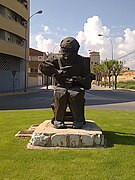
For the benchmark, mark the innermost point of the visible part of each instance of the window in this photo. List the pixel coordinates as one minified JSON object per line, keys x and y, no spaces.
{"x":24,"y":2}
{"x":8,"y":13}
{"x":34,"y":58}
{"x":33,"y":70}
{"x":2,"y":34}
{"x":2,"y":10}
{"x":7,"y":36}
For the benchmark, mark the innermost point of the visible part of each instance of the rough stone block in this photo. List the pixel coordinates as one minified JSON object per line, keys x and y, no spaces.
{"x":74,"y":140}
{"x":87,"y":140}
{"x":45,"y":135}
{"x":97,"y":139}
{"x":102,"y":140}
{"x":59,"y":140}
{"x":40,"y":140}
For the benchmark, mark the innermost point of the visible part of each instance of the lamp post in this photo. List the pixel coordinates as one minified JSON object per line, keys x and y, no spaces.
{"x":111,"y":53}
{"x":26,"y":45}
{"x":57,"y":45}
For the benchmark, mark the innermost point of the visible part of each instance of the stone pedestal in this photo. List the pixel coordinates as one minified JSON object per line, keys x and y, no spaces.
{"x":46,"y":136}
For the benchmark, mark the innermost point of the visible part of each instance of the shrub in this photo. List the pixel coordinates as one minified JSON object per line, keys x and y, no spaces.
{"x":127,"y":84}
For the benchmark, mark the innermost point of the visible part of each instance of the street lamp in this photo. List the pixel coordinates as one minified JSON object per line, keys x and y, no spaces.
{"x":110,"y":42}
{"x":26,"y":44}
{"x":112,"y":53}
{"x":57,"y":45}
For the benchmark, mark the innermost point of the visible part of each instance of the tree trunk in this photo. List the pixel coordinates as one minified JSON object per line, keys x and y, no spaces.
{"x":96,"y":78}
{"x":101,"y":81}
{"x":115,"y":83}
{"x":109,"y":81}
{"x":104,"y":81}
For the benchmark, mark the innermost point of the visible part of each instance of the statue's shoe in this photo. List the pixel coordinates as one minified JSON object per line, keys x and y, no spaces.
{"x":59,"y":125}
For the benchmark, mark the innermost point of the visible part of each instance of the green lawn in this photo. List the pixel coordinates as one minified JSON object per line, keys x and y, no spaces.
{"x":116,"y":162}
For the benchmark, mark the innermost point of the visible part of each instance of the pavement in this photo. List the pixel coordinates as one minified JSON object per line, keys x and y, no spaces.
{"x":41,"y":88}
{"x":97,"y":97}
{"x":29,"y":90}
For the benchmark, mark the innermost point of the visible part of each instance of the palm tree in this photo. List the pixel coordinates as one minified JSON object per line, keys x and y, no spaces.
{"x":117,"y":67}
{"x":96,"y":70}
{"x":109,"y":67}
{"x":103,"y":73}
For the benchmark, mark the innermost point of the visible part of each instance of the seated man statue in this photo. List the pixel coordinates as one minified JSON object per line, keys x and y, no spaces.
{"x":73,"y":76}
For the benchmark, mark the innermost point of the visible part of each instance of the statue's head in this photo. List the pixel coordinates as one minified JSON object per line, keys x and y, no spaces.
{"x":69,"y":46}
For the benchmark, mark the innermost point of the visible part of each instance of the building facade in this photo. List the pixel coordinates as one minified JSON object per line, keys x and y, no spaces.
{"x":13,"y":37}
{"x":94,"y":58}
{"x":35,"y":77}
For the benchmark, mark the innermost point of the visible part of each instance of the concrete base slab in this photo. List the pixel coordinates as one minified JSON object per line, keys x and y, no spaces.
{"x":46,"y":136}
{"x":27,"y":132}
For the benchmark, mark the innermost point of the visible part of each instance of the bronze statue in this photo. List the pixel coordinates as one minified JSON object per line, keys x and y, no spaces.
{"x":73,"y":77}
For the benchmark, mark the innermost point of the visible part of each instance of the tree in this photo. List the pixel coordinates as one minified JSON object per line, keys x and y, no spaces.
{"x":117,"y":67}
{"x":97,"y":71}
{"x":109,"y":67}
{"x":103,"y":73}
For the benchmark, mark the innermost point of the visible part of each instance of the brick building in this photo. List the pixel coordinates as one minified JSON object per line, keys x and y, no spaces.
{"x":35,"y":77}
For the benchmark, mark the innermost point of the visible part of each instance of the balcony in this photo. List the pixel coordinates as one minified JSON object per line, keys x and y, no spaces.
{"x":12,"y":26}
{"x":17,"y":7}
{"x":24,"y":2}
{"x":11,"y":49}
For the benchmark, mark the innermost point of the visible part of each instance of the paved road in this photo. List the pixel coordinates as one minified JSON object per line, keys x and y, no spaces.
{"x":99,"y":98}
{"x":110,"y":99}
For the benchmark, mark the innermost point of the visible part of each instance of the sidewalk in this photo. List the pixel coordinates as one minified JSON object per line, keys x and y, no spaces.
{"x":29,"y":90}
{"x":43,"y":88}
{"x":100,"y":88}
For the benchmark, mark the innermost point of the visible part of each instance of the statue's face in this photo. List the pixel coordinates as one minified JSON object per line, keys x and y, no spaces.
{"x":67,"y":54}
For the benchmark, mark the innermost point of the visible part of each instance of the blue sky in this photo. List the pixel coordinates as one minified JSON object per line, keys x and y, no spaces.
{"x":84,"y":19}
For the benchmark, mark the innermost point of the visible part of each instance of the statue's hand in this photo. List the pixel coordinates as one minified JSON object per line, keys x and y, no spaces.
{"x":59,"y":76}
{"x":61,"y":72}
{"x":77,"y":78}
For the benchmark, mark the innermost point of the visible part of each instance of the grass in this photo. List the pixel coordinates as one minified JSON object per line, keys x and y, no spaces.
{"x":123,"y":84}
{"x":126,"y":85}
{"x":117,"y":162}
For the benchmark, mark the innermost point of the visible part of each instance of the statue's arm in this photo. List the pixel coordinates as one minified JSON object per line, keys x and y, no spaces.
{"x":84,"y":82}
{"x":86,"y":78}
{"x":49,"y":66}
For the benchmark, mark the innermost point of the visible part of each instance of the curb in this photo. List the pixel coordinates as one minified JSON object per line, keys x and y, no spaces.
{"x":28,"y":92}
{"x":16,"y":93}
{"x":107,"y":88}
{"x":19,"y":93}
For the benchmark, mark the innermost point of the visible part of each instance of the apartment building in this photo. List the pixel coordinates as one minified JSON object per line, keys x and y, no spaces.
{"x":35,"y":77}
{"x":14,"y":15}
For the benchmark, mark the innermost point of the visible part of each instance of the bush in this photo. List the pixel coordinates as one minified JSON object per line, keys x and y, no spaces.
{"x":127,"y":84}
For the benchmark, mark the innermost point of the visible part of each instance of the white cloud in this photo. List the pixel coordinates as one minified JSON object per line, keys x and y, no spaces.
{"x":89,"y":40}
{"x":125,"y":46}
{"x":46,"y":29}
{"x":45,"y":45}
{"x":128,"y":43}
{"x":89,"y":36}
{"x":61,"y":29}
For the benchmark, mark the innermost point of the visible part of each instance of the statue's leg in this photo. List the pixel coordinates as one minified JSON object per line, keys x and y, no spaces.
{"x":60,"y":105}
{"x":76,"y":104}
